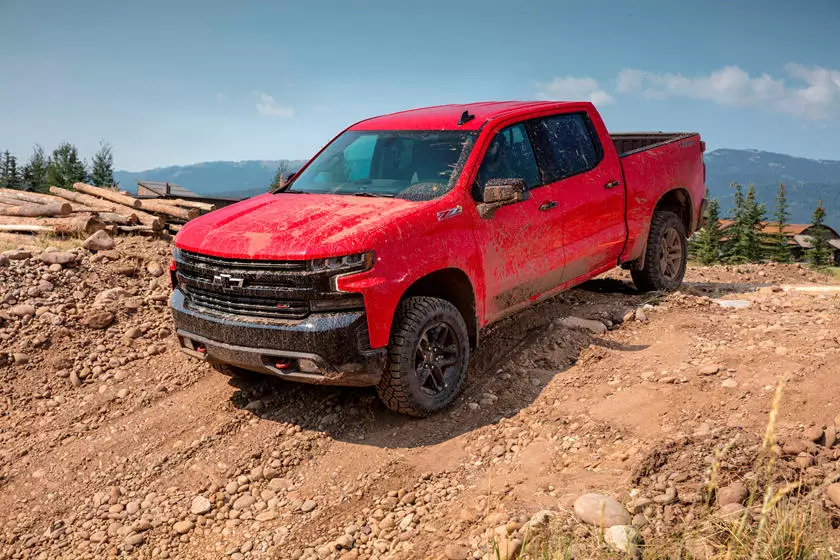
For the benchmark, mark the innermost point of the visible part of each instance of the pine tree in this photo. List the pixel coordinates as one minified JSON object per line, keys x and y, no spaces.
{"x":102,"y":166}
{"x":780,"y":251}
{"x":65,"y":167}
{"x":9,"y":175}
{"x":35,"y":170}
{"x":820,"y":252}
{"x":281,"y":175}
{"x":744,"y":235}
{"x":706,"y":245}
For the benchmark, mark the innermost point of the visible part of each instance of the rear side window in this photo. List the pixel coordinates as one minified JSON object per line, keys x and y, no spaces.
{"x":509,"y":156}
{"x":566,"y":145}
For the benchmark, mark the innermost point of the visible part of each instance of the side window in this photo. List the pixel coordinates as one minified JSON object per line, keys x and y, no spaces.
{"x":566,"y":145}
{"x":509,"y":156}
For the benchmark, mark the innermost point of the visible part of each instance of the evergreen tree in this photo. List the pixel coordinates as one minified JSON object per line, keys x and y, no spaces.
{"x":102,"y":166}
{"x":780,"y":251}
{"x":9,"y":175}
{"x":65,"y":167}
{"x":706,"y":244}
{"x":820,"y":252}
{"x":35,"y":170}
{"x":744,"y":235}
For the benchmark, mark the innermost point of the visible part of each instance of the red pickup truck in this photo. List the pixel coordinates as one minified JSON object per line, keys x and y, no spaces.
{"x":382,"y":259}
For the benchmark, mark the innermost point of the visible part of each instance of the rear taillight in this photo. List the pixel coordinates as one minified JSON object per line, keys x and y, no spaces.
{"x":173,"y":279}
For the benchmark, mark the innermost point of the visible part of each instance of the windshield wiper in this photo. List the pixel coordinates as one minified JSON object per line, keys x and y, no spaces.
{"x":373,"y":195}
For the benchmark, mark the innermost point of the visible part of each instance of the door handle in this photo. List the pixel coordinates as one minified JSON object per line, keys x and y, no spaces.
{"x":612,"y":184}
{"x":547,"y":205}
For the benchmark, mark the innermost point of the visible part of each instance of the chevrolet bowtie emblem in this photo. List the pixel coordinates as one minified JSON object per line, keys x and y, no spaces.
{"x":227,"y":281}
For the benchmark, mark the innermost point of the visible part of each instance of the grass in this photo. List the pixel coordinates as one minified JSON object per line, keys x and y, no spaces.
{"x":39,"y":241}
{"x":833,"y":271}
{"x":781,"y":521}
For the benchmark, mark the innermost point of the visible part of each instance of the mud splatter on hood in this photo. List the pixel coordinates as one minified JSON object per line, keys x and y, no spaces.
{"x":290,"y":226}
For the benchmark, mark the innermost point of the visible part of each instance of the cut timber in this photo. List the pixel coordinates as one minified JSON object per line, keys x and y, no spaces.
{"x":136,"y":229}
{"x":169,"y":209}
{"x":150,"y":220}
{"x":37,"y":198}
{"x":205,"y":206}
{"x":107,"y":194}
{"x":111,"y":218}
{"x":35,"y":210}
{"x":26,"y":228}
{"x":99,"y":204}
{"x":73,"y":225}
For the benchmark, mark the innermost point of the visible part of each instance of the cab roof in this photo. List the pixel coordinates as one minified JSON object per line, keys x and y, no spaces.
{"x":447,"y":117}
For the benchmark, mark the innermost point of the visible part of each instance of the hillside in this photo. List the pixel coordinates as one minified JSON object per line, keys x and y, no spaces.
{"x":808,"y":180}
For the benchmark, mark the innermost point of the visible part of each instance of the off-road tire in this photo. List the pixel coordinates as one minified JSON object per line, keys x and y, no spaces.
{"x":400,"y":388}
{"x":652,"y":277}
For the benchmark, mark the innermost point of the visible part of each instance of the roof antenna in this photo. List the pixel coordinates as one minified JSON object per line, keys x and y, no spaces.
{"x":465,"y":118}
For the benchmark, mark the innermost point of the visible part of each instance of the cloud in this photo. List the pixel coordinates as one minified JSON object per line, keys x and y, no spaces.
{"x":269,"y":107}
{"x":570,"y":88}
{"x":813,"y":94}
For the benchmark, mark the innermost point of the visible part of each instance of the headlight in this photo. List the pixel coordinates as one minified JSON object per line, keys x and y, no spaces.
{"x":357,"y":262}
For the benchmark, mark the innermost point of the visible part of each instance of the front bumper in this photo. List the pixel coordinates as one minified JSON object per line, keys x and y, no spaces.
{"x":324,"y":348}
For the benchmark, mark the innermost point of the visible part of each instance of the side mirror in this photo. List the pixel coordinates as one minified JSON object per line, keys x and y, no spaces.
{"x":501,"y":192}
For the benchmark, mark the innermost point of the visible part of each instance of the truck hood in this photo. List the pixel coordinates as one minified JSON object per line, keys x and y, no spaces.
{"x":291,"y":226}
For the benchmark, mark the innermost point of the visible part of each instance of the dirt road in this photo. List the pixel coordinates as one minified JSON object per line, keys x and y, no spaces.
{"x":112,"y":443}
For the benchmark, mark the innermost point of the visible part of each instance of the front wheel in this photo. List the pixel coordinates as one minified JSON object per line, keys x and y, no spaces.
{"x":428,"y":357}
{"x":665,"y":255}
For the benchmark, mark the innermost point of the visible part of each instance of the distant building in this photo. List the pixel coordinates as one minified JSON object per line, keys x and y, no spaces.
{"x":161,"y":189}
{"x":798,"y":237}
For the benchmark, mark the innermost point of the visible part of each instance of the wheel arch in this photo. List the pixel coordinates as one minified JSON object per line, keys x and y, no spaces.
{"x":678,"y":201}
{"x":452,"y":285}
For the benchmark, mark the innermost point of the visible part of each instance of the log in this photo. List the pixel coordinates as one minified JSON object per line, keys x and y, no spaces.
{"x":37,"y":198}
{"x":169,"y":209}
{"x":100,"y":205}
{"x":150,"y":220}
{"x":26,"y":228}
{"x":111,"y":218}
{"x":175,"y":227}
{"x":66,"y":226}
{"x":11,"y":201}
{"x":205,"y":206}
{"x":34,"y":210}
{"x":107,"y":194}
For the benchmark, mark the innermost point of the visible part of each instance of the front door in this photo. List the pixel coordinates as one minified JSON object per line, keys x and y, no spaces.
{"x":522,"y":243}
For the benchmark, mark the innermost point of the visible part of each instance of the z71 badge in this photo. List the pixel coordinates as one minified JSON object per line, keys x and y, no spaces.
{"x":451,"y":213}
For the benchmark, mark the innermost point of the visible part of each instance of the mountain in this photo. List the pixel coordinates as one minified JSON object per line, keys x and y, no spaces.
{"x":807,"y":180}
{"x":224,"y":179}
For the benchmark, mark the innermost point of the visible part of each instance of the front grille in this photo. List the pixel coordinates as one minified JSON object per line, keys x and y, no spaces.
{"x":252,"y":306}
{"x":279,"y":289}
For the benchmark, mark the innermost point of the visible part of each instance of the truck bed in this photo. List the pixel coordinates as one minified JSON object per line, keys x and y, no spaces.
{"x":627,"y":143}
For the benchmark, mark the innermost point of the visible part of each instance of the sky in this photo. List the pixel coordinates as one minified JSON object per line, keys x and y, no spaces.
{"x":180,"y":82}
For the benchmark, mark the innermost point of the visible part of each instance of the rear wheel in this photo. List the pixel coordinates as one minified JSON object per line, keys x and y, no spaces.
{"x":428,"y":357}
{"x":665,"y":255}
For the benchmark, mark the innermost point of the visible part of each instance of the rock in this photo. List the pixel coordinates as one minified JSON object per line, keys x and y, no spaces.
{"x":135,"y":539}
{"x":308,"y":506}
{"x":623,"y":538}
{"x":710,"y":369}
{"x":540,"y":519}
{"x":98,"y":319}
{"x":99,"y":241}
{"x":182,"y":527}
{"x":125,"y":270}
{"x":833,"y":493}
{"x":733,"y":303}
{"x":74,"y":379}
{"x":154,"y":268}
{"x":729,"y":384}
{"x":795,"y":447}
{"x":814,"y":433}
{"x":735,"y":493}
{"x":109,"y":296}
{"x":595,"y":327}
{"x":244,"y":501}
{"x":830,"y":436}
{"x":731,"y":512}
{"x":456,"y":551}
{"x":20,"y":358}
{"x":507,"y":548}
{"x":22,"y":310}
{"x":133,"y":332}
{"x":132,"y":507}
{"x":601,"y":511}
{"x":640,"y":315}
{"x":58,"y":257}
{"x":200,"y":505}
{"x":17,"y":254}
{"x":4,"y":261}
{"x":266,"y":515}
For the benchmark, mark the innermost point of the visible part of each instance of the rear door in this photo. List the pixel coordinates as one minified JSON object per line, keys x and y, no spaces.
{"x":523,"y":253}
{"x":588,"y":188}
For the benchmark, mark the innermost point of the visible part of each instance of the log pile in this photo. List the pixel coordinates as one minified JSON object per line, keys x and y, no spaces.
{"x":87,"y":209}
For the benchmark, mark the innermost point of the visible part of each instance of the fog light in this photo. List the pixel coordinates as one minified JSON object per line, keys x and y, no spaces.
{"x":308,"y":365}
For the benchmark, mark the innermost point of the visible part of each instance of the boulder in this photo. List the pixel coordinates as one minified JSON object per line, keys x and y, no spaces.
{"x":99,"y":241}
{"x":601,"y":511}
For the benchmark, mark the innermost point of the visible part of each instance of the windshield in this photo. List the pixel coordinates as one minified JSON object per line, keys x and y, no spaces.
{"x":414,"y":165}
